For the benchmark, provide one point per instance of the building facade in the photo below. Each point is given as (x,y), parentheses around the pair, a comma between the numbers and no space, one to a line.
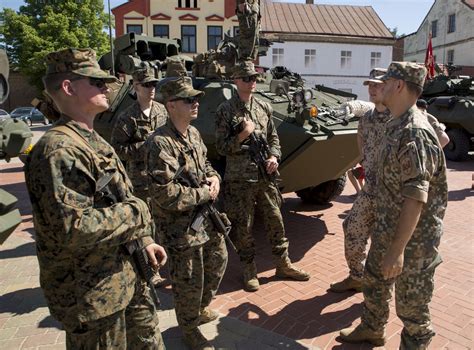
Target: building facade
(330,45)
(200,24)
(450,23)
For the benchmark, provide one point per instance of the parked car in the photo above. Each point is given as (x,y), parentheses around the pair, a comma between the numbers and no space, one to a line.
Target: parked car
(29,115)
(4,114)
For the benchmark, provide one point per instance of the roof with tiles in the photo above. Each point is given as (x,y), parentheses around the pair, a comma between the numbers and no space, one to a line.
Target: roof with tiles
(341,20)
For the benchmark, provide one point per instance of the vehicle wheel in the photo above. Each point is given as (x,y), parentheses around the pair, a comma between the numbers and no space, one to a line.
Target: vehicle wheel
(458,147)
(323,193)
(29,122)
(45,122)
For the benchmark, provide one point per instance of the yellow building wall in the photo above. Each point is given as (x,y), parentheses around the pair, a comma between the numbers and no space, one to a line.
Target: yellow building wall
(169,8)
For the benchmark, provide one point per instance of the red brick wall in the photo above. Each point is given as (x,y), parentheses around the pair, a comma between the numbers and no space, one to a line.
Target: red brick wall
(21,92)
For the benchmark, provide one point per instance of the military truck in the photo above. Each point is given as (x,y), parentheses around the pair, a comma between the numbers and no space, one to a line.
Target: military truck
(451,100)
(317,134)
(15,137)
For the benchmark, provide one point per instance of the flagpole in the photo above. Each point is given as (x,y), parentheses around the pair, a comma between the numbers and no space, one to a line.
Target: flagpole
(111,41)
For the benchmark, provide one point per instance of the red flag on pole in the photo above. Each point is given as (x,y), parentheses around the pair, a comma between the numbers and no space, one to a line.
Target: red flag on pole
(429,60)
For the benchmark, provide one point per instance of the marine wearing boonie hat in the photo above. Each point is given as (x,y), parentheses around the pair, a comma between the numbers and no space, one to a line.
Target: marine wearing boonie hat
(178,88)
(375,75)
(407,71)
(244,69)
(78,61)
(144,74)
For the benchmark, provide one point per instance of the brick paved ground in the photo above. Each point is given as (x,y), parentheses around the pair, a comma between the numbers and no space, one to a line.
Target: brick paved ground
(282,314)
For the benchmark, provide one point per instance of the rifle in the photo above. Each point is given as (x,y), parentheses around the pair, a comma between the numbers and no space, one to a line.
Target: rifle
(207,210)
(105,197)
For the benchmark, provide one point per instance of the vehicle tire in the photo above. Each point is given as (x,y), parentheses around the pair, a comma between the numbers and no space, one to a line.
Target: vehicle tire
(458,147)
(323,193)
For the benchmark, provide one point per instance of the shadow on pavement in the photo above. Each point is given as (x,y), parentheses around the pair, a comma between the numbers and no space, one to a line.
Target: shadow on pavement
(22,301)
(460,195)
(17,169)
(23,250)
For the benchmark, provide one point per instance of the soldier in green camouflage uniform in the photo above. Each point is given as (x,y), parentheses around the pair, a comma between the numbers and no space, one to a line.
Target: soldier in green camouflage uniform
(248,14)
(132,128)
(90,283)
(245,188)
(359,224)
(197,257)
(411,202)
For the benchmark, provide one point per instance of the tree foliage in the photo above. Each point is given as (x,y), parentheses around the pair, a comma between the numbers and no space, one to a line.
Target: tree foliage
(42,26)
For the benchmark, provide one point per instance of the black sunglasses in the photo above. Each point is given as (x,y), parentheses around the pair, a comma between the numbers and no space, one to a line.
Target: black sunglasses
(98,83)
(150,84)
(187,100)
(249,79)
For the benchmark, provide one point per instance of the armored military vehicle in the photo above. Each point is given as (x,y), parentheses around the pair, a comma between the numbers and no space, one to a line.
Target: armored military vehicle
(451,101)
(15,137)
(317,134)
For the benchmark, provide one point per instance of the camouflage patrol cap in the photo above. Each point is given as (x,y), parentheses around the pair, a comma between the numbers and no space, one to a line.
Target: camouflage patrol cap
(175,67)
(375,75)
(244,69)
(144,75)
(181,87)
(78,61)
(407,71)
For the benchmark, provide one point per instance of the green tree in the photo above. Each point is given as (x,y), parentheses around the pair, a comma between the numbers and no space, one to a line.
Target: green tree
(42,26)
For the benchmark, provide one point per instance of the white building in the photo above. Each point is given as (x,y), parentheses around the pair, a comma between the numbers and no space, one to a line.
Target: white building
(451,23)
(331,45)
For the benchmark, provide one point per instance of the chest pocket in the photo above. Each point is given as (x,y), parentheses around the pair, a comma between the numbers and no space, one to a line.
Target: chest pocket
(144,129)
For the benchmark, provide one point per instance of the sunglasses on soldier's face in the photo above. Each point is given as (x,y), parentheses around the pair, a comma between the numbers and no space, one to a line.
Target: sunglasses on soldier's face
(98,83)
(188,100)
(150,84)
(249,79)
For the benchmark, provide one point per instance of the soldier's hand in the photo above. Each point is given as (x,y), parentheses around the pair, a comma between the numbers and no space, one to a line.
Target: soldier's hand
(392,265)
(214,186)
(271,165)
(248,127)
(156,254)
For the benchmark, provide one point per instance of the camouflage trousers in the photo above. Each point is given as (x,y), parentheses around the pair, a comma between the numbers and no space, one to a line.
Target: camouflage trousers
(196,274)
(248,37)
(135,327)
(413,292)
(358,226)
(241,200)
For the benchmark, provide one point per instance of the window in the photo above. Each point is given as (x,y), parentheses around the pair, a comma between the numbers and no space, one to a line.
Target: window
(188,38)
(375,59)
(346,57)
(236,31)
(434,29)
(309,58)
(277,57)
(161,30)
(452,23)
(450,56)
(187,4)
(135,28)
(214,36)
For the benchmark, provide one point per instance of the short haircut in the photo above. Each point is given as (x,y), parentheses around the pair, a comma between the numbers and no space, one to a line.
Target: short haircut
(414,88)
(52,82)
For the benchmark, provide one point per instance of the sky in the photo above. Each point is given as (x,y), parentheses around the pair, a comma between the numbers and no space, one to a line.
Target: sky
(406,15)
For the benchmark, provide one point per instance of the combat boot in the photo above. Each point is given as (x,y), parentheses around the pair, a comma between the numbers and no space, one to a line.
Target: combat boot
(362,333)
(250,277)
(207,315)
(348,283)
(285,269)
(195,340)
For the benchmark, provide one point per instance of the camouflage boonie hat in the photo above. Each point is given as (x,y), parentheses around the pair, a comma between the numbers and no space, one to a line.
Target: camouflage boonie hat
(375,75)
(78,61)
(175,67)
(178,88)
(244,69)
(144,75)
(407,71)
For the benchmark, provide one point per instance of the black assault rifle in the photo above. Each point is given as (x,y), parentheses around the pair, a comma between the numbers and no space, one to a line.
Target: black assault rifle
(103,198)
(207,210)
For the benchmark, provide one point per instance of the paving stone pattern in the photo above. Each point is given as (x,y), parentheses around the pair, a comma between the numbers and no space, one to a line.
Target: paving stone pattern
(282,314)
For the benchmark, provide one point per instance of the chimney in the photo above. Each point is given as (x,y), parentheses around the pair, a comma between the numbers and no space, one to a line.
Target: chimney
(310,2)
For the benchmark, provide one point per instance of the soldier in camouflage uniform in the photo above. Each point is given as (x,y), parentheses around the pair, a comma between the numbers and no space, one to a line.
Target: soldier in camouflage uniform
(359,224)
(245,188)
(198,255)
(248,14)
(89,281)
(438,127)
(411,202)
(133,126)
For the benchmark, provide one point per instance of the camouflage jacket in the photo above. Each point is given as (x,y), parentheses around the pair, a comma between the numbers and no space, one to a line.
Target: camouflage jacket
(372,131)
(84,272)
(174,203)
(239,165)
(412,165)
(129,134)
